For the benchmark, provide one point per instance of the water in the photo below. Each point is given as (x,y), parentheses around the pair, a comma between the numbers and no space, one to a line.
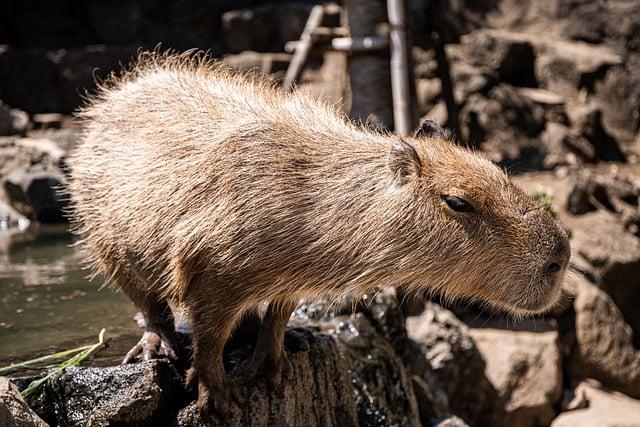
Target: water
(46,302)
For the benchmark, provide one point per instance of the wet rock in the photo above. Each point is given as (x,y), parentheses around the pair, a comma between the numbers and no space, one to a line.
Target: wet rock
(604,347)
(35,193)
(455,362)
(14,412)
(10,218)
(601,239)
(510,55)
(13,121)
(524,366)
(135,394)
(600,408)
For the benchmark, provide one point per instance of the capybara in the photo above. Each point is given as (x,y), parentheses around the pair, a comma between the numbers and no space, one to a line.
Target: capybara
(200,186)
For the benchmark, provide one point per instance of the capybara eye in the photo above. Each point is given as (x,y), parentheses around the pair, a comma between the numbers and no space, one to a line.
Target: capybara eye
(457,204)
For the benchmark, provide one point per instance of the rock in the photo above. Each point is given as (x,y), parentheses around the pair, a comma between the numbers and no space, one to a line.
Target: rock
(13,121)
(566,67)
(134,394)
(587,23)
(48,120)
(510,55)
(587,121)
(601,239)
(14,412)
(604,347)
(604,409)
(35,193)
(524,366)
(619,95)
(428,93)
(468,80)
(455,362)
(506,124)
(11,219)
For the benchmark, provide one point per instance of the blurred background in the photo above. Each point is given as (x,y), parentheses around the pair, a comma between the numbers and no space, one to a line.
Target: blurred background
(549,90)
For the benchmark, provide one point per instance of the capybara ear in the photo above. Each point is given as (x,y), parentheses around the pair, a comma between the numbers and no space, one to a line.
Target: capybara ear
(428,129)
(403,162)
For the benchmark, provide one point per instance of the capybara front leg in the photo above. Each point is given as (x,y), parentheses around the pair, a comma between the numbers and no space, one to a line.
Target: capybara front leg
(269,357)
(212,326)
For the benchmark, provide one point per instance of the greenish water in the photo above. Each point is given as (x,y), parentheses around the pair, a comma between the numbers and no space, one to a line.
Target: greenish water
(46,302)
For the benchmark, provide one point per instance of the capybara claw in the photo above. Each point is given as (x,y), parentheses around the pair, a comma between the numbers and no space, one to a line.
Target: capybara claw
(298,340)
(151,346)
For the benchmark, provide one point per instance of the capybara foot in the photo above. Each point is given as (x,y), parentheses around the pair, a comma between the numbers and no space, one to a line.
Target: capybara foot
(298,340)
(151,346)
(215,401)
(272,369)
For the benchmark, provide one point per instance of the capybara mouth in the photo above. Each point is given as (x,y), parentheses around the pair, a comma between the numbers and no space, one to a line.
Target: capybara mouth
(542,302)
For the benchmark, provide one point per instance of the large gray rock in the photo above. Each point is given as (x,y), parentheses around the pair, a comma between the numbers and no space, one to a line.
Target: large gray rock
(14,412)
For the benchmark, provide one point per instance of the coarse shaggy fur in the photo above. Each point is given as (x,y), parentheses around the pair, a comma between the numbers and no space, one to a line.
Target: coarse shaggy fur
(217,190)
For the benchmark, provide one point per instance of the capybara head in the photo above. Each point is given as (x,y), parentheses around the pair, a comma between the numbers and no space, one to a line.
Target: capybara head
(479,235)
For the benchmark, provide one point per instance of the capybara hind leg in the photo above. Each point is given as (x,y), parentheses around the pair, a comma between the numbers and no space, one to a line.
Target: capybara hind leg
(269,357)
(158,339)
(212,325)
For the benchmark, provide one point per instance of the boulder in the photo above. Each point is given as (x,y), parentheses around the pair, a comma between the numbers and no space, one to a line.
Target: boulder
(13,121)
(455,363)
(619,95)
(587,122)
(604,347)
(507,125)
(135,394)
(566,67)
(524,366)
(598,407)
(510,55)
(11,219)
(14,411)
(601,238)
(36,193)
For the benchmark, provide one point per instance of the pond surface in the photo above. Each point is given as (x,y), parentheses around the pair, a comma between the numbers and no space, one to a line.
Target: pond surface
(46,301)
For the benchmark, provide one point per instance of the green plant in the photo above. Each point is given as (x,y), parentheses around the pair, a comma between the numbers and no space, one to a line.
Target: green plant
(79,353)
(546,199)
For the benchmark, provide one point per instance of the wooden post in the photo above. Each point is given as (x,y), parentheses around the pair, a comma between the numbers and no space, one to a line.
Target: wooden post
(303,47)
(369,73)
(400,73)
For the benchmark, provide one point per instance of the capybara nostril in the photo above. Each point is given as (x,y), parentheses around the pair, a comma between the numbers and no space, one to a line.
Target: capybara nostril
(552,267)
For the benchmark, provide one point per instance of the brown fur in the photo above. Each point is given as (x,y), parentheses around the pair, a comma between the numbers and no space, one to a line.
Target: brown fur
(213,189)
